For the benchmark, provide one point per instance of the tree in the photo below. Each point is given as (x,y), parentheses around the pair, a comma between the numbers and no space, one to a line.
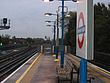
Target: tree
(70,35)
(102,26)
(4,39)
(29,40)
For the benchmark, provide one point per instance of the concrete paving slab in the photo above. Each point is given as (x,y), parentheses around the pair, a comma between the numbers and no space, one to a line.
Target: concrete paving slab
(46,72)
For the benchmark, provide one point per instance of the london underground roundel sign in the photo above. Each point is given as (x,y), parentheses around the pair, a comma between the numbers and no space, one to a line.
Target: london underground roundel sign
(85,29)
(81,30)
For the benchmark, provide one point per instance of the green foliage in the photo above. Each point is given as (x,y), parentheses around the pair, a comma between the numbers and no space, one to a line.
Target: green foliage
(4,39)
(70,36)
(29,40)
(102,26)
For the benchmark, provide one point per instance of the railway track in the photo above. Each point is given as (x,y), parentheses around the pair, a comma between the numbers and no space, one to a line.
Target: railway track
(12,61)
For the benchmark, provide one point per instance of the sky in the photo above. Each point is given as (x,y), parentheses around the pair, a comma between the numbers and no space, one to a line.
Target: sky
(27,16)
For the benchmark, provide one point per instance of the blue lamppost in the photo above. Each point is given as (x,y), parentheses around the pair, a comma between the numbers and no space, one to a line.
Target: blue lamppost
(62,51)
(54,43)
(56,49)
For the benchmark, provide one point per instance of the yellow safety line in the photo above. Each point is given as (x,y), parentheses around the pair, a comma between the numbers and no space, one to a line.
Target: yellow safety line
(106,73)
(99,69)
(18,81)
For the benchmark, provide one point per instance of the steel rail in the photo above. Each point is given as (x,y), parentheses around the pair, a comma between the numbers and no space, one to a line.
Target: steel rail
(16,62)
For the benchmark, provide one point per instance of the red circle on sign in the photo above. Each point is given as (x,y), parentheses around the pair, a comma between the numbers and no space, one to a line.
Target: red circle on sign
(80,43)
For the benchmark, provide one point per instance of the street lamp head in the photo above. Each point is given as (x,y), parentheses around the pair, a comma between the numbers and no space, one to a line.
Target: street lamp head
(77,1)
(61,0)
(49,25)
(49,14)
(47,0)
(74,0)
(49,21)
(69,0)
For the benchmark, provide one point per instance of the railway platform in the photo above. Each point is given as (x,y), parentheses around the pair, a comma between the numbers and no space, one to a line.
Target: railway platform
(41,68)
(46,72)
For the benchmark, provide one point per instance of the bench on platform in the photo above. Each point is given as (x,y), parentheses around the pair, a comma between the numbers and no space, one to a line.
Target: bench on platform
(67,73)
(70,70)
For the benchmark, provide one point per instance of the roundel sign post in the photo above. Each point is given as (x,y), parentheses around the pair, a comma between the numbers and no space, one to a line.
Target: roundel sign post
(84,36)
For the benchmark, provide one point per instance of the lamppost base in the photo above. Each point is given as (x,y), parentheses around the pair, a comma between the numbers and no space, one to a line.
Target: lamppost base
(54,55)
(56,60)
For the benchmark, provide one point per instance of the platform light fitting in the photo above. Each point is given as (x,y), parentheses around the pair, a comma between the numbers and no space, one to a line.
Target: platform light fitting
(74,0)
(47,0)
(49,14)
(69,0)
(61,0)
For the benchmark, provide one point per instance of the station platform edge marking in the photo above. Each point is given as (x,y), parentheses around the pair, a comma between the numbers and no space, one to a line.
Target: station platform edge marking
(100,69)
(103,71)
(27,70)
(17,69)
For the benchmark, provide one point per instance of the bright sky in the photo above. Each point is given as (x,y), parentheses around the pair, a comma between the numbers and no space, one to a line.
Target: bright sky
(27,16)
